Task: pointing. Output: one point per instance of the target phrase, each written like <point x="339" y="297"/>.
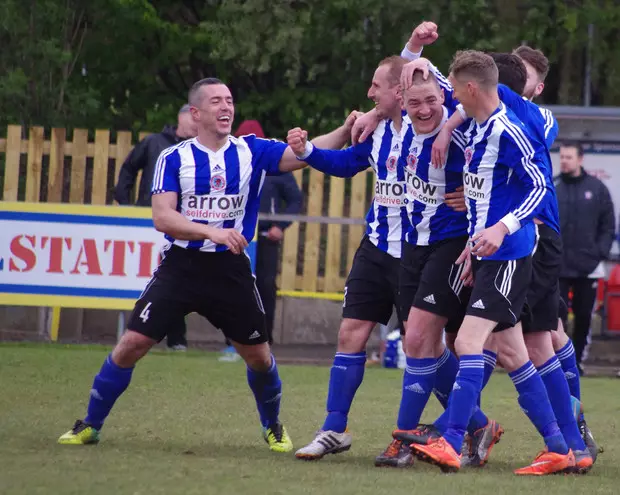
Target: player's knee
<point x="465" y="345"/>
<point x="353" y="335"/>
<point x="418" y="344"/>
<point x="131" y="348"/>
<point x="258" y="357"/>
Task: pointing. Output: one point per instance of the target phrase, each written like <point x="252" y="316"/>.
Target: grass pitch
<point x="188" y="425"/>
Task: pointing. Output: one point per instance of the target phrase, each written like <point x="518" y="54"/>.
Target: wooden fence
<point x="45" y="165"/>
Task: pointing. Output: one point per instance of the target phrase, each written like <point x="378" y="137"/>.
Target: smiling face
<point x="423" y="103"/>
<point x="213" y="109"/>
<point x="385" y="92"/>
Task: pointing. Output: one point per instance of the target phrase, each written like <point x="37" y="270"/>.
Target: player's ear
<point x="539" y="88"/>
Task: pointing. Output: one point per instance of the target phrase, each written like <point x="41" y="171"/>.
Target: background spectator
<point x="144" y="157"/>
<point x="588" y="229"/>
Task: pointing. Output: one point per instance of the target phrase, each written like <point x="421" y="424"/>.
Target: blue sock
<point x="267" y="389"/>
<point x="566" y="355"/>
<point x="559" y="396"/>
<point x="418" y="382"/>
<point x="534" y="401"/>
<point x="463" y="398"/>
<point x="490" y="361"/>
<point x="345" y="378"/>
<point x="109" y="384"/>
<point x="447" y="368"/>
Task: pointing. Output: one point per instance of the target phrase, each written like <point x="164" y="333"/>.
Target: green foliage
<point x="127" y="64"/>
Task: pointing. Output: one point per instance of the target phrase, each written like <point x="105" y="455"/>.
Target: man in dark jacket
<point x="144" y="157"/>
<point x="588" y="227"/>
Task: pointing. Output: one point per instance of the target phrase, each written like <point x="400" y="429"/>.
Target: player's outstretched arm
<point x="334" y="140"/>
<point x="168" y="220"/>
<point x="340" y="163"/>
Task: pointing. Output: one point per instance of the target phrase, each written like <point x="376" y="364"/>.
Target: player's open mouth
<point x="424" y="119"/>
<point x="224" y="118"/>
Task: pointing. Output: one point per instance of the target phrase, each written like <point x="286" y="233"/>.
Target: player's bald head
<point x="476" y="66"/>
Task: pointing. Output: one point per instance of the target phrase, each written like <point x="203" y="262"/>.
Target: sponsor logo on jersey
<point x="214" y="207"/>
<point x="391" y="194"/>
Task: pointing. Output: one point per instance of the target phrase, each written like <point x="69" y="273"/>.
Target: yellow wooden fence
<point x="314" y="267"/>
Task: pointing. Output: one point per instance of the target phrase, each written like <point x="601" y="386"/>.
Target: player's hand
<point x="228" y="237"/>
<point x="297" y="139"/>
<point x="467" y="275"/>
<point x="424" y="34"/>
<point x="363" y="127"/>
<point x="487" y="242"/>
<point x="439" y="152"/>
<point x="456" y="199"/>
<point x="275" y="234"/>
<point x="351" y="119"/>
<point x="406" y="76"/>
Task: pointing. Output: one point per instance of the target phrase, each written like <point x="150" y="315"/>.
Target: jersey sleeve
<point x="515" y="102"/>
<point x="266" y="153"/>
<point x="341" y="163"/>
<point x="525" y="157"/>
<point x="551" y="127"/>
<point x="166" y="176"/>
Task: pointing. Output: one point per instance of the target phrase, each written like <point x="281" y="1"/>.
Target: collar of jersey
<point x="201" y="147"/>
<point x="500" y="110"/>
<point x="436" y="130"/>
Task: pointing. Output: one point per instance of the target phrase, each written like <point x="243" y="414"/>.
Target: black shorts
<point x="499" y="290"/>
<point x="430" y="281"/>
<point x="219" y="286"/>
<point x="371" y="290"/>
<point x="543" y="296"/>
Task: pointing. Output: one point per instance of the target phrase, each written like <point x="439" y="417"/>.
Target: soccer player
<point x="537" y="67"/>
<point x="543" y="295"/>
<point x="504" y="187"/>
<point x="431" y="290"/>
<point x="206" y="194"/>
<point x="372" y="285"/>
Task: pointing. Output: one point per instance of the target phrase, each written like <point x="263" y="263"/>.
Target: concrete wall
<point x="298" y="321"/>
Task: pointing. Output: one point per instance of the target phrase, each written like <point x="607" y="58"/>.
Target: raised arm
<point x="339" y="163"/>
<point x="334" y="140"/>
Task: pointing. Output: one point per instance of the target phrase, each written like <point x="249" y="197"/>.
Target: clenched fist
<point x="297" y="139"/>
<point x="424" y="34"/>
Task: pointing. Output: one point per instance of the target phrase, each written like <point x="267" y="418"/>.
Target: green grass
<point x="187" y="425"/>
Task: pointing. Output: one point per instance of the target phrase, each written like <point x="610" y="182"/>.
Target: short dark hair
<point x="535" y="58"/>
<point x="474" y="65"/>
<point x="573" y="144"/>
<point x="396" y="63"/>
<point x="512" y="71"/>
<point x="193" y="97"/>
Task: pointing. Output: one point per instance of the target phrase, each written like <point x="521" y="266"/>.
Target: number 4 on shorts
<point x="145" y="312"/>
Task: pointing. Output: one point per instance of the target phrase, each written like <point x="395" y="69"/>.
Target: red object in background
<point x="612" y="300"/>
<point x="250" y="127"/>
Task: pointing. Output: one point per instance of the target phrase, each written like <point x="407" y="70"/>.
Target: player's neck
<point x="212" y="141"/>
<point x="486" y="107"/>
<point x="397" y="120"/>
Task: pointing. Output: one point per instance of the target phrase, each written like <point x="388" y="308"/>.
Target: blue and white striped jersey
<point x="220" y="188"/>
<point x="544" y="128"/>
<point x="386" y="222"/>
<point x="504" y="180"/>
<point x="431" y="219"/>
